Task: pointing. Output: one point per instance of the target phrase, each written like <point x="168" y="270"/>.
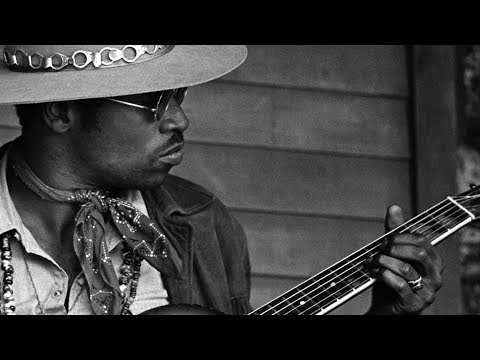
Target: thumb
<point x="394" y="218"/>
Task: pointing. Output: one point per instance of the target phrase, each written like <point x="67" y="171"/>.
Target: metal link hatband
<point x="80" y="59"/>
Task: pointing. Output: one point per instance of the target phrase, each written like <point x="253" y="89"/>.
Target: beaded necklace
<point x="130" y="273"/>
<point x="8" y="301"/>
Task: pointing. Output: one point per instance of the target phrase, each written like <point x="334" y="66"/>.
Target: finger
<point x="397" y="266"/>
<point x="394" y="218"/>
<point x="422" y="258"/>
<point x="400" y="287"/>
<point x="409" y="301"/>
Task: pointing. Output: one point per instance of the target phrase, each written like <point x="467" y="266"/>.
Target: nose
<point x="174" y="118"/>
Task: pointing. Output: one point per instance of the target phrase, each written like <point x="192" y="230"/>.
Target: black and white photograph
<point x="240" y="180"/>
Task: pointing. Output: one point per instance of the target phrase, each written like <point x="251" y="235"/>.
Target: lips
<point x="175" y="149"/>
<point x="173" y="156"/>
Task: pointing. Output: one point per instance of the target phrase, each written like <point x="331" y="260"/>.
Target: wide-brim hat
<point x="45" y="73"/>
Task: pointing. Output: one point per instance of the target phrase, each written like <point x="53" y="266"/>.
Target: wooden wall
<point x="307" y="145"/>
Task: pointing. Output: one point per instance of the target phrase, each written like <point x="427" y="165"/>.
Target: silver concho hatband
<point x="19" y="60"/>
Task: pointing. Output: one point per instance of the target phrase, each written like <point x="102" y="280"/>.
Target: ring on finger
<point x="416" y="284"/>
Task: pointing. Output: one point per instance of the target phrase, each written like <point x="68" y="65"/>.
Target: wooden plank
<point x="370" y="69"/>
<point x="302" y="245"/>
<point x="265" y="289"/>
<point x="268" y="180"/>
<point x="8" y="134"/>
<point x="436" y="117"/>
<point x="296" y="119"/>
<point x="8" y="117"/>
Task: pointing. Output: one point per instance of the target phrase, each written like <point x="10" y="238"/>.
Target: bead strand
<point x="8" y="301"/>
<point x="126" y="270"/>
<point x="130" y="272"/>
<point x="137" y="262"/>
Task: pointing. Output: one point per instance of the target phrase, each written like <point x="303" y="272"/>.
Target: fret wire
<point x="330" y="302"/>
<point x="299" y="295"/>
<point x="462" y="213"/>
<point x="335" y="279"/>
<point x="458" y="210"/>
<point x="375" y="243"/>
<point x="374" y="246"/>
<point x="326" y="287"/>
<point x="438" y="221"/>
<point x="323" y="305"/>
<point x="333" y="300"/>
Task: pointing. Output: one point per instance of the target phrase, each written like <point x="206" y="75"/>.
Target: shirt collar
<point x="9" y="216"/>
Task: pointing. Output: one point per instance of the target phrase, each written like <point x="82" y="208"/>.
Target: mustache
<point x="176" y="139"/>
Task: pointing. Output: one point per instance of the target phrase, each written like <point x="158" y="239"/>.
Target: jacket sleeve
<point x="234" y="247"/>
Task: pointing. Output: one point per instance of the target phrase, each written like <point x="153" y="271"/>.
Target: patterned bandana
<point x="139" y="234"/>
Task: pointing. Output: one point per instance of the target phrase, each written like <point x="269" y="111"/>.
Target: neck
<point x="53" y="163"/>
<point x="36" y="211"/>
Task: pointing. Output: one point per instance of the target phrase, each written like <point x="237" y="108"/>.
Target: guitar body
<point x="181" y="310"/>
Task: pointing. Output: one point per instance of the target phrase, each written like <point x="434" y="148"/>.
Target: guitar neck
<point x="349" y="277"/>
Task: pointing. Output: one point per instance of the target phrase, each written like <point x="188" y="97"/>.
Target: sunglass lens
<point x="180" y="95"/>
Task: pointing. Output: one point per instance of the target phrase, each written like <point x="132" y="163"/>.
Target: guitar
<point x="327" y="290"/>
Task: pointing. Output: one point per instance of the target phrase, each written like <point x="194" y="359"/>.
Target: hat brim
<point x="185" y="65"/>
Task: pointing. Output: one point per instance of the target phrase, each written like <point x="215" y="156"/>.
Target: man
<point x="90" y="220"/>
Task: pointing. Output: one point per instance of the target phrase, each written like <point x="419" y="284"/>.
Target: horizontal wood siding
<point x="307" y="145"/>
<point x="377" y="70"/>
<point x="302" y="245"/>
<point x="298" y="119"/>
<point x="269" y="180"/>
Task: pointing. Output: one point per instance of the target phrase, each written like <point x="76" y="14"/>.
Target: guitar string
<point x="337" y="291"/>
<point x="340" y="290"/>
<point x="334" y="294"/>
<point x="359" y="251"/>
<point x="376" y="246"/>
<point x="363" y="274"/>
<point x="359" y="270"/>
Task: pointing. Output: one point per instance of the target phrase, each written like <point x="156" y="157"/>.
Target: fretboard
<point x="349" y="277"/>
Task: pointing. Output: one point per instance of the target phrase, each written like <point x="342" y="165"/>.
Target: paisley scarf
<point x="139" y="234"/>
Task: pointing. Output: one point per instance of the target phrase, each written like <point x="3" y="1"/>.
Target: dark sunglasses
<point x="164" y="99"/>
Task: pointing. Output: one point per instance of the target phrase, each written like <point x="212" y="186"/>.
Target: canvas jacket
<point x="210" y="243"/>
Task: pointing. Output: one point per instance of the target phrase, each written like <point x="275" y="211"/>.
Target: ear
<point x="57" y="117"/>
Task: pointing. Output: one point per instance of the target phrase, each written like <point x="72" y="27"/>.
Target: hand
<point x="403" y="258"/>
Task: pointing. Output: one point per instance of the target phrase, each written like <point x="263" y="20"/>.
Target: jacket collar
<point x="178" y="195"/>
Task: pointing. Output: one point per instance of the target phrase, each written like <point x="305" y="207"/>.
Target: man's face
<point x="125" y="147"/>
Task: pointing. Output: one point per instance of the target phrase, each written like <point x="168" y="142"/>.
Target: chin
<point x="138" y="179"/>
<point x="147" y="183"/>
